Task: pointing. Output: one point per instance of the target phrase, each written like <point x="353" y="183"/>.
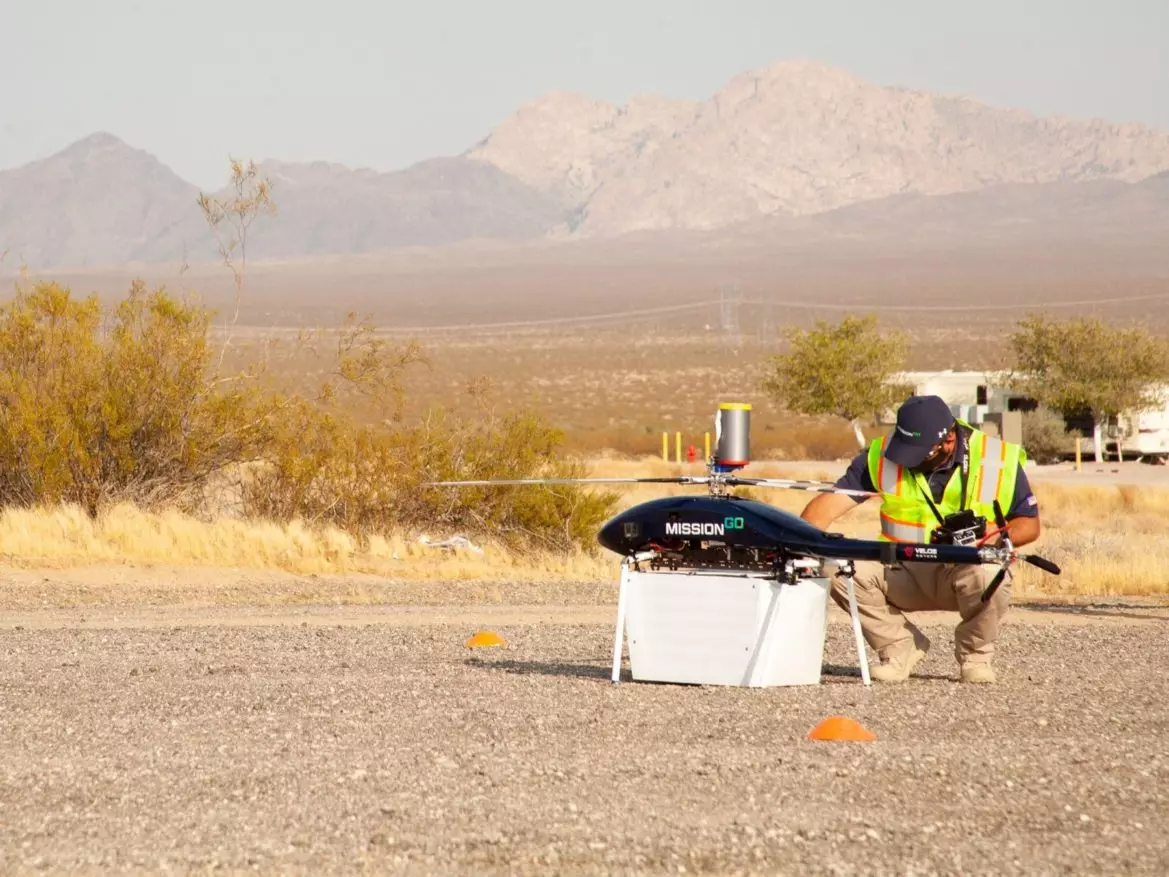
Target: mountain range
<point x="793" y="148"/>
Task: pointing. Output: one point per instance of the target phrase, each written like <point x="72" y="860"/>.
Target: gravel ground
<point x="345" y="741"/>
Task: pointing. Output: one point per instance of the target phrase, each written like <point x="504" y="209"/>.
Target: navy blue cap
<point x="922" y="422"/>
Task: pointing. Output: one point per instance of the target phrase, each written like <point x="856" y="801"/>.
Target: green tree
<point x="843" y="370"/>
<point x="1083" y="364"/>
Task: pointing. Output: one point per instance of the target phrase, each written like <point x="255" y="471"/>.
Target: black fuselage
<point x="730" y="526"/>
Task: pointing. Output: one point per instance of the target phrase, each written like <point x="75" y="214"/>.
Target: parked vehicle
<point x="1142" y="435"/>
<point x="1134" y="435"/>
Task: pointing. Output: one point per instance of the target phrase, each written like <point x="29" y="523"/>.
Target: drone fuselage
<point x="733" y="532"/>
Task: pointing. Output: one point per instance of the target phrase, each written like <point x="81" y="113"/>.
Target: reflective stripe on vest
<point x="888" y="478"/>
<point x="902" y="531"/>
<point x="990" y="475"/>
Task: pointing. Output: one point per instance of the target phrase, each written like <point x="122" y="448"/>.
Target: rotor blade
<point x="994" y="583"/>
<point x="731" y="478"/>
<point x="674" y="479"/>
<point x="999" y="518"/>
<point x="1042" y="562"/>
<point x="811" y="486"/>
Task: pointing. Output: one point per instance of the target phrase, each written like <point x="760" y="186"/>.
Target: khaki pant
<point x="883" y="594"/>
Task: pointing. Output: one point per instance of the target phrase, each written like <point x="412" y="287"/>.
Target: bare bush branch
<point x="230" y="220"/>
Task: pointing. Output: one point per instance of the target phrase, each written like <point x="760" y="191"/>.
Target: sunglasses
<point x="937" y="449"/>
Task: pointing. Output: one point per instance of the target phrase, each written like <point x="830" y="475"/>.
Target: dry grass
<point x="65" y="537"/>
<point x="1107" y="539"/>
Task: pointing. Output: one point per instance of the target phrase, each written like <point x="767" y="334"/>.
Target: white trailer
<point x="1142" y="435"/>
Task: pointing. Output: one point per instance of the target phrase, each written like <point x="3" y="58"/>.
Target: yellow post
<point x="665" y="447"/>
<point x="677" y="447"/>
<point x="707" y="447"/>
<point x="1079" y="442"/>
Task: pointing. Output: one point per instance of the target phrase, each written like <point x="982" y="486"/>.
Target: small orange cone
<point x="840" y="728"/>
<point x="484" y="638"/>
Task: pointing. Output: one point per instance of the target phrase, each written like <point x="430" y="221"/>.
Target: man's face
<point x="939" y="453"/>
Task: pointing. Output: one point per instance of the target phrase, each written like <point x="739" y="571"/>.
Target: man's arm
<point x="827" y="507"/>
<point x="1023" y="515"/>
<point x="1023" y="530"/>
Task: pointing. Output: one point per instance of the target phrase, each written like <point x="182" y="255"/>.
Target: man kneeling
<point x="938" y="478"/>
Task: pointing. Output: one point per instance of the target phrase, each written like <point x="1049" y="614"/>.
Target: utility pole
<point x="766" y="321"/>
<point x="730" y="301"/>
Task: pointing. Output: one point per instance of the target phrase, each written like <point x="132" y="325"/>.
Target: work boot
<point x="981" y="673"/>
<point x="898" y="661"/>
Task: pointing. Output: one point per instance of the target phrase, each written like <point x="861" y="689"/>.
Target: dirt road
<point x="324" y="739"/>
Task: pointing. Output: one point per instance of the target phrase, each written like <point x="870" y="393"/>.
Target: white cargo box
<point x="716" y="627"/>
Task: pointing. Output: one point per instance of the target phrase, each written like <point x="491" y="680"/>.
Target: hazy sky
<point x="383" y="84"/>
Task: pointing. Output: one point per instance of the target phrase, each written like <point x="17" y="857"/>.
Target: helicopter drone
<point x="729" y="534"/>
<point x="725" y="531"/>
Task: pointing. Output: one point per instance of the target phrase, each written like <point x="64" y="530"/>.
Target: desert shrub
<point x="517" y="445"/>
<point x="366" y="478"/>
<point x="96" y="414"/>
<point x="1045" y="435"/>
<point x="134" y="409"/>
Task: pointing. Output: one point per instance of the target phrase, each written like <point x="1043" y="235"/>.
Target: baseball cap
<point x="922" y="422"/>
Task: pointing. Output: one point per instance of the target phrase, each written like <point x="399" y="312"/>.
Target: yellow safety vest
<point x="905" y="514"/>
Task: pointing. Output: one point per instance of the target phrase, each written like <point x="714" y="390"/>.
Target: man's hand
<point x="826" y="508"/>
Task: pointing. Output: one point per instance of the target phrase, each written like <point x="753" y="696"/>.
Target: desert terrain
<point x="189" y="694"/>
<point x="201" y="716"/>
<point x="617" y="342"/>
<point x="191" y="698"/>
<point x="334" y="739"/>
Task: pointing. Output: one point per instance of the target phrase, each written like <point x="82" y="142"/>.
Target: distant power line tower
<point x="730" y="302"/>
<point x="766" y="322"/>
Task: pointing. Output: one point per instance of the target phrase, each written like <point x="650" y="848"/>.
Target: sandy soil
<point x="332" y="738"/>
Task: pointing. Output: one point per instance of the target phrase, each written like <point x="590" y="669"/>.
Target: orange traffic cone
<point x="840" y="728"/>
<point x="484" y="638"/>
